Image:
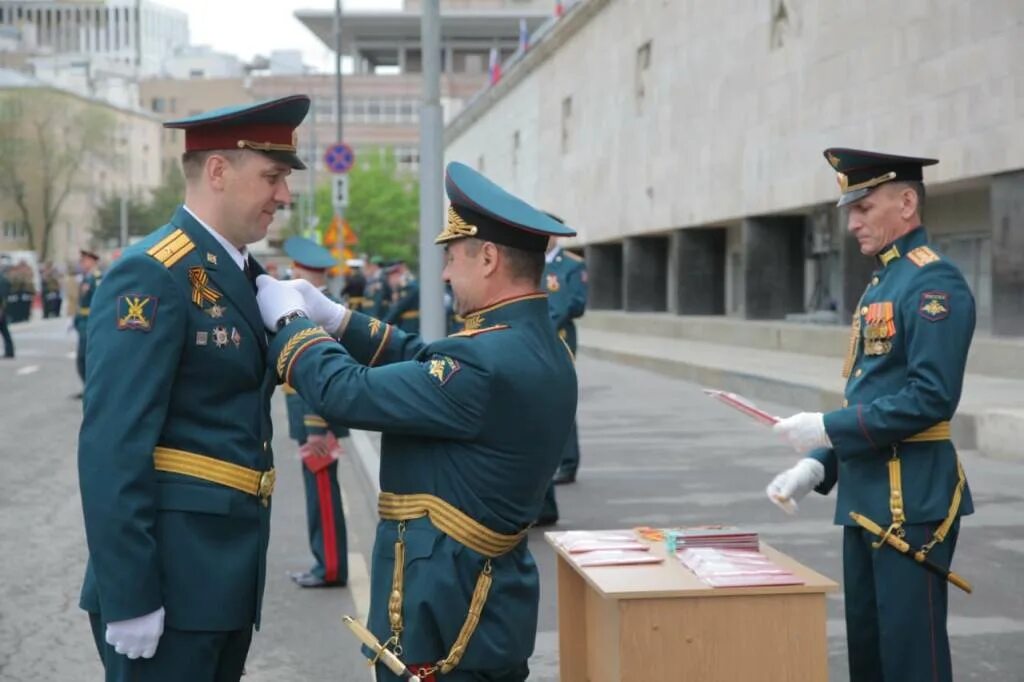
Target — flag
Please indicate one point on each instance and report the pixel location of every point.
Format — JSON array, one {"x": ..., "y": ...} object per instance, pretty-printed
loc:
[
  {"x": 494, "y": 68},
  {"x": 559, "y": 8},
  {"x": 524, "y": 36}
]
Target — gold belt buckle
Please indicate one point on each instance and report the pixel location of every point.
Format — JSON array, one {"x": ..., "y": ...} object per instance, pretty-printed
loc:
[{"x": 266, "y": 486}]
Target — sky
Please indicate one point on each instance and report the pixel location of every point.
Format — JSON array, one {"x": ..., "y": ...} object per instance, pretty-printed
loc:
[{"x": 246, "y": 28}]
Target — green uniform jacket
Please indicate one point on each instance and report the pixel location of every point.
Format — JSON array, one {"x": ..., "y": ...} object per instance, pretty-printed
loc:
[
  {"x": 5, "y": 290},
  {"x": 901, "y": 384},
  {"x": 167, "y": 366},
  {"x": 565, "y": 279},
  {"x": 452, "y": 415},
  {"x": 86, "y": 292},
  {"x": 405, "y": 312}
]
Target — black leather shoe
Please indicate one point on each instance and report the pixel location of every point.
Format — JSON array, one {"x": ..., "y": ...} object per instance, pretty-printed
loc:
[
  {"x": 307, "y": 579},
  {"x": 563, "y": 476},
  {"x": 546, "y": 521}
]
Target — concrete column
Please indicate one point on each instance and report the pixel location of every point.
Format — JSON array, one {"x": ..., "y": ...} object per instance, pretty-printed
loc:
[
  {"x": 604, "y": 274},
  {"x": 1007, "y": 201},
  {"x": 773, "y": 266},
  {"x": 645, "y": 274},
  {"x": 696, "y": 271}
]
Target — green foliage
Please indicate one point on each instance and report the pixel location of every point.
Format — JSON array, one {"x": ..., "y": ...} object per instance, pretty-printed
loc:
[
  {"x": 383, "y": 208},
  {"x": 144, "y": 216}
]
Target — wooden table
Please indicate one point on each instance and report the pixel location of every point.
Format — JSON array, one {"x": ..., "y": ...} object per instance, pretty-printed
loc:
[{"x": 660, "y": 622}]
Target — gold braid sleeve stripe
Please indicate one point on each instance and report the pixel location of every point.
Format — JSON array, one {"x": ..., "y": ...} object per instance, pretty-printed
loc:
[
  {"x": 380, "y": 349},
  {"x": 285, "y": 357}
]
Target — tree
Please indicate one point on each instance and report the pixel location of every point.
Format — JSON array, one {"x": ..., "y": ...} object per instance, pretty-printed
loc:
[
  {"x": 383, "y": 208},
  {"x": 47, "y": 140},
  {"x": 144, "y": 216}
]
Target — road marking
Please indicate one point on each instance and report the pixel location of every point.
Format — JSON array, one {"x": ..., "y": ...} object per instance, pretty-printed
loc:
[{"x": 27, "y": 369}]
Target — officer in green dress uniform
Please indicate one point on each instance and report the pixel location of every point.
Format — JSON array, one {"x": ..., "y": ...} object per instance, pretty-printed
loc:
[
  {"x": 174, "y": 457},
  {"x": 565, "y": 280},
  {"x": 377, "y": 292},
  {"x": 5, "y": 332},
  {"x": 354, "y": 291},
  {"x": 404, "y": 311},
  {"x": 454, "y": 587},
  {"x": 888, "y": 447},
  {"x": 91, "y": 276},
  {"x": 318, "y": 447}
]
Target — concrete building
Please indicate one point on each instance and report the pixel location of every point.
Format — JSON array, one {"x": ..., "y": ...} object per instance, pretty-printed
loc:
[
  {"x": 382, "y": 95},
  {"x": 684, "y": 141},
  {"x": 137, "y": 33},
  {"x": 201, "y": 61},
  {"x": 121, "y": 158}
]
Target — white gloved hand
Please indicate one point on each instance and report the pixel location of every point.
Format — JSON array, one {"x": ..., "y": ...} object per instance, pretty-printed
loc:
[
  {"x": 804, "y": 431},
  {"x": 137, "y": 637},
  {"x": 276, "y": 300},
  {"x": 792, "y": 485},
  {"x": 321, "y": 309}
]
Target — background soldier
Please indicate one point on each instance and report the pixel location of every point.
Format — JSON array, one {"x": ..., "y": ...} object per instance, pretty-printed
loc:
[
  {"x": 565, "y": 280},
  {"x": 319, "y": 449},
  {"x": 88, "y": 262},
  {"x": 889, "y": 446},
  {"x": 462, "y": 479},
  {"x": 404, "y": 311},
  {"x": 355, "y": 285},
  {"x": 174, "y": 457},
  {"x": 5, "y": 332}
]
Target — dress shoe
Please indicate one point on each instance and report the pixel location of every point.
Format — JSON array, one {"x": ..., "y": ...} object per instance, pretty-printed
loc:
[
  {"x": 307, "y": 579},
  {"x": 563, "y": 476}
]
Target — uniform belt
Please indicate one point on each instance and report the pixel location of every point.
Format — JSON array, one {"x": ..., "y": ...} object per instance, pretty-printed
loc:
[
  {"x": 935, "y": 432},
  {"x": 464, "y": 530},
  {"x": 251, "y": 481},
  {"x": 410, "y": 314},
  {"x": 451, "y": 521}
]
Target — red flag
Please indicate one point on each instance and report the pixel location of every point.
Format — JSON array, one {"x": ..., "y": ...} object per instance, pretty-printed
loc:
[{"x": 495, "y": 66}]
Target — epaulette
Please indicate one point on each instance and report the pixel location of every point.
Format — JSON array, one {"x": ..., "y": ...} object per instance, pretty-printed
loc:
[
  {"x": 574, "y": 256},
  {"x": 172, "y": 248},
  {"x": 476, "y": 332},
  {"x": 922, "y": 256}
]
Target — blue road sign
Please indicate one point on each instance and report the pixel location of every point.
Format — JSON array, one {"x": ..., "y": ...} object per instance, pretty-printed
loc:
[{"x": 339, "y": 158}]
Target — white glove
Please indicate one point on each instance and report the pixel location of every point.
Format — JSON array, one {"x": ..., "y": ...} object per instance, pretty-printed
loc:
[
  {"x": 804, "y": 431},
  {"x": 321, "y": 309},
  {"x": 276, "y": 300},
  {"x": 137, "y": 637},
  {"x": 792, "y": 485}
]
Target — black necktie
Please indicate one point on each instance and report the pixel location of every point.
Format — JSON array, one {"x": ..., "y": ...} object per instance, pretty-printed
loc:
[{"x": 250, "y": 273}]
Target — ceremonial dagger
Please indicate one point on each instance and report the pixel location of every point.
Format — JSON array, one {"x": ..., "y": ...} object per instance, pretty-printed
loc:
[
  {"x": 386, "y": 656},
  {"x": 903, "y": 547}
]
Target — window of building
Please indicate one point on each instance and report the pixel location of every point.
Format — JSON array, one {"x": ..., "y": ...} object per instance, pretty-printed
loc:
[
  {"x": 643, "y": 66},
  {"x": 196, "y": 73},
  {"x": 515, "y": 151},
  {"x": 566, "y": 123},
  {"x": 158, "y": 105}
]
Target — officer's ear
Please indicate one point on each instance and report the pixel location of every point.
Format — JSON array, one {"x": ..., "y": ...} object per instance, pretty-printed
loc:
[{"x": 489, "y": 258}]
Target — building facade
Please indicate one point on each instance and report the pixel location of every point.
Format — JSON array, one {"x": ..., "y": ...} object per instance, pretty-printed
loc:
[
  {"x": 684, "y": 141},
  {"x": 55, "y": 141}
]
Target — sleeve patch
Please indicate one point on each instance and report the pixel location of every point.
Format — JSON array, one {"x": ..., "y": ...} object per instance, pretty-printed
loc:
[
  {"x": 934, "y": 306},
  {"x": 442, "y": 368},
  {"x": 136, "y": 312},
  {"x": 552, "y": 282}
]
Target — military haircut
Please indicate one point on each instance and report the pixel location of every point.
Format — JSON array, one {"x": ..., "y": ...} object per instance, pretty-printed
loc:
[
  {"x": 192, "y": 162},
  {"x": 519, "y": 263}
]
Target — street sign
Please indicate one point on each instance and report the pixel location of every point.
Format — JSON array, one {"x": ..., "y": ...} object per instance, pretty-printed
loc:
[
  {"x": 339, "y": 158},
  {"x": 339, "y": 192}
]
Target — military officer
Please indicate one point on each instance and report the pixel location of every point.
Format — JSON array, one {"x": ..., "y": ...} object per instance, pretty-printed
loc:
[
  {"x": 88, "y": 262},
  {"x": 565, "y": 280},
  {"x": 5, "y": 332},
  {"x": 175, "y": 465},
  {"x": 51, "y": 292},
  {"x": 888, "y": 448},
  {"x": 404, "y": 311},
  {"x": 318, "y": 448},
  {"x": 454, "y": 587},
  {"x": 354, "y": 291}
]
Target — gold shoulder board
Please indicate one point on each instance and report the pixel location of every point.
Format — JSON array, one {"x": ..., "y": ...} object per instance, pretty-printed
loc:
[
  {"x": 172, "y": 248},
  {"x": 922, "y": 256}
]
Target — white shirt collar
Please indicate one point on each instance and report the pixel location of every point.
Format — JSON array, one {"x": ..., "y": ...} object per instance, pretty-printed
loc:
[
  {"x": 237, "y": 256},
  {"x": 550, "y": 256}
]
